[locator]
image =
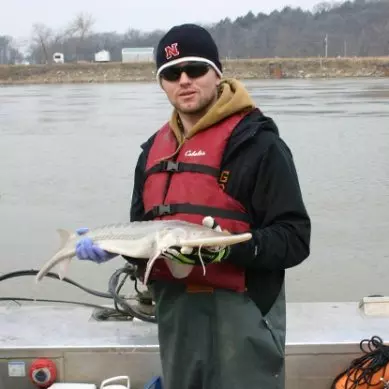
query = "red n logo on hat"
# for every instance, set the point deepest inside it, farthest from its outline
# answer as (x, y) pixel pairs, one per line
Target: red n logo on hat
(171, 51)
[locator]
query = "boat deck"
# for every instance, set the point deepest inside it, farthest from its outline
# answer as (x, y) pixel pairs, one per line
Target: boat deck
(322, 339)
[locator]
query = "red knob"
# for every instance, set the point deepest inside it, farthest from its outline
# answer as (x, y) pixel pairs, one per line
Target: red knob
(43, 372)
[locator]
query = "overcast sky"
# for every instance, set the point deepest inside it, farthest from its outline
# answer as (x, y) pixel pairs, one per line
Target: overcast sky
(17, 16)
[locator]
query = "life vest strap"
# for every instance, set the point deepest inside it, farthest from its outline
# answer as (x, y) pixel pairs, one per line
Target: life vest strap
(179, 167)
(170, 209)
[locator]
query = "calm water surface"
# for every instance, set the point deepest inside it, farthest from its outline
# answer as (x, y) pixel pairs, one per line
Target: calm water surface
(68, 153)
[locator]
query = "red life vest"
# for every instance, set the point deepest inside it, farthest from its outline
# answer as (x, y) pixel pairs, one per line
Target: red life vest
(188, 188)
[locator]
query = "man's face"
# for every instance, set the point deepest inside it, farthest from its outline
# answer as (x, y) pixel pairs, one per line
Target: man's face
(191, 87)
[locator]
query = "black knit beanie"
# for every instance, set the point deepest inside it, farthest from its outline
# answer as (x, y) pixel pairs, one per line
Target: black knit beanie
(187, 42)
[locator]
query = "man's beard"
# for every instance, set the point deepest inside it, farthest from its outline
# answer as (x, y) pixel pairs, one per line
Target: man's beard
(202, 108)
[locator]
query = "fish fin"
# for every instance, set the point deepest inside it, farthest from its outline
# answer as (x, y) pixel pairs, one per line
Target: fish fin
(178, 270)
(226, 240)
(202, 261)
(150, 264)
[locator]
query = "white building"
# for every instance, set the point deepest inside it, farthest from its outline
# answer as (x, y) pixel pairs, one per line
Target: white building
(103, 56)
(138, 54)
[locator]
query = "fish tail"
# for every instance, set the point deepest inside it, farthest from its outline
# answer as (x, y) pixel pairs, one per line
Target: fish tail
(64, 236)
(60, 256)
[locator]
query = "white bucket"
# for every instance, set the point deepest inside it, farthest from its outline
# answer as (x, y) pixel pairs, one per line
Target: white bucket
(126, 379)
(72, 386)
(104, 384)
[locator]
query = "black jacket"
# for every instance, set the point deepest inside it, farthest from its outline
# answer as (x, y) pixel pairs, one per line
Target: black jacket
(262, 176)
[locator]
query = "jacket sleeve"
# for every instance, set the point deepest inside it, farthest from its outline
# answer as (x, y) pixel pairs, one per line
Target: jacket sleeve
(137, 208)
(282, 239)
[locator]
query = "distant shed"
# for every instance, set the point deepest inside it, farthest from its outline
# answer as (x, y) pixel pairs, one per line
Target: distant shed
(103, 56)
(58, 58)
(138, 54)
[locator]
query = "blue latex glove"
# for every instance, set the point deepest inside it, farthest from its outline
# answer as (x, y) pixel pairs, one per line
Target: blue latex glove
(86, 249)
(154, 383)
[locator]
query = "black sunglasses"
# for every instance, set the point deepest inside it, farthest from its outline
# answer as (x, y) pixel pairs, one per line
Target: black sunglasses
(192, 70)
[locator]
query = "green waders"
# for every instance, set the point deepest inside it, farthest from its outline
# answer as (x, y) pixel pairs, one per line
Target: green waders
(218, 340)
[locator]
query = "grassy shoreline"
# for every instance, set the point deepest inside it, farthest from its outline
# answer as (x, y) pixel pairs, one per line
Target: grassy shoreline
(266, 68)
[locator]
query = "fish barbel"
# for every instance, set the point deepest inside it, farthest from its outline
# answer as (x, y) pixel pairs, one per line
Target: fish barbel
(143, 240)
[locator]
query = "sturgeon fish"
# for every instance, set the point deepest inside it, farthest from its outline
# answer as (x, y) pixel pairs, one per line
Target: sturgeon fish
(143, 240)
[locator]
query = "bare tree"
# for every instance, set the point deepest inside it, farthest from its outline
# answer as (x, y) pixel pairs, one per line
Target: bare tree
(358, 27)
(80, 28)
(45, 40)
(9, 51)
(42, 37)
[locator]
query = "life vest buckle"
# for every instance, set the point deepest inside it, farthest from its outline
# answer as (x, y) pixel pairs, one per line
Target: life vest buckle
(162, 209)
(172, 166)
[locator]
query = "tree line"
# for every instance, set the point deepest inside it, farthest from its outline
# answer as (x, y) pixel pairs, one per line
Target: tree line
(351, 28)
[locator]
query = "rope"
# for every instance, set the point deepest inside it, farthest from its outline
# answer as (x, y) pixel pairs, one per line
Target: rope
(365, 370)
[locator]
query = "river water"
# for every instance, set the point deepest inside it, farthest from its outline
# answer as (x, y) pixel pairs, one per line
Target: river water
(68, 152)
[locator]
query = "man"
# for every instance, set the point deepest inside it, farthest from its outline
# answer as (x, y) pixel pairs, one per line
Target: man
(221, 162)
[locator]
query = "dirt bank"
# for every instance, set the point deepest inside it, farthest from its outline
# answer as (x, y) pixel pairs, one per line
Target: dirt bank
(243, 69)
